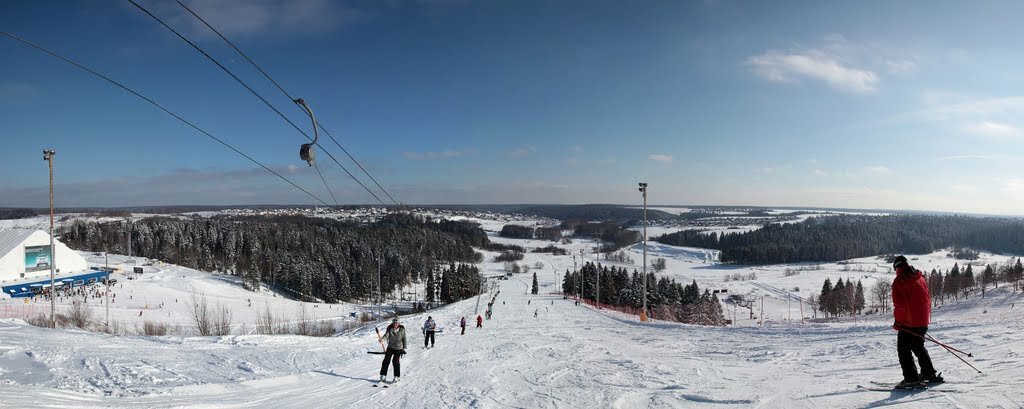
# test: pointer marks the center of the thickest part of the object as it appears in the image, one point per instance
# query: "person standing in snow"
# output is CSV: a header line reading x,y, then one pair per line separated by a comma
x,y
912,309
395,337
429,328
462,324
479,321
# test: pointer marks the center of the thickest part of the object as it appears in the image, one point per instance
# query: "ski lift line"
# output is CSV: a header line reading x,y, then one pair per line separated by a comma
x,y
162,108
222,67
271,106
283,91
325,184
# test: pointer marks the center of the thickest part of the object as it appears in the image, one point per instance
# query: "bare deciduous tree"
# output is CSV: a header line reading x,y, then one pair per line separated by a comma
x,y
882,293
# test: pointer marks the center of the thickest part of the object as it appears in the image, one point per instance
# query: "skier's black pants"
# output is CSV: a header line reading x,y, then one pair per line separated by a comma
x,y
428,338
388,355
908,345
463,330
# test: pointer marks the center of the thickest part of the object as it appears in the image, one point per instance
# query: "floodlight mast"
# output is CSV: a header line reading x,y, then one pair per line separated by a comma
x,y
306,151
48,157
643,311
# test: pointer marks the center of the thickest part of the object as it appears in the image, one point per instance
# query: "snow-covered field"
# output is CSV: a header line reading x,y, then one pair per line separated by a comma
x,y
567,356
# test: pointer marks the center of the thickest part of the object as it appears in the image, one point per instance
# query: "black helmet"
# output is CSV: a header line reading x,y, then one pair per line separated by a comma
x,y
900,261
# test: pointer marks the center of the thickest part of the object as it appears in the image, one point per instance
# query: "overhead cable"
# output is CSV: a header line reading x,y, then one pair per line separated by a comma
x,y
267,103
162,108
279,87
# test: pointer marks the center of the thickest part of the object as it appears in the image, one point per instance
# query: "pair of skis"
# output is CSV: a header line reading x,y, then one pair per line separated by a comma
x,y
885,387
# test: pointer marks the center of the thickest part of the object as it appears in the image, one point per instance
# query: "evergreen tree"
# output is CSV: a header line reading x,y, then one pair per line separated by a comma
x,y
534,290
968,280
825,300
859,301
952,282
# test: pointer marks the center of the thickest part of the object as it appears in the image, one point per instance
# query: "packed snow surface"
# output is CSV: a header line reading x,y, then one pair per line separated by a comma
x,y
566,356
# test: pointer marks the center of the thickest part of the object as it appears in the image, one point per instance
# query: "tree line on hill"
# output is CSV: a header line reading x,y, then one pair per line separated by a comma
x,y
843,237
953,284
613,236
666,299
311,258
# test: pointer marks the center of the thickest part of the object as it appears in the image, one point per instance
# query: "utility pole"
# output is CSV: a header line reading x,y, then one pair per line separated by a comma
x,y
597,256
574,265
380,296
643,311
579,273
106,266
48,157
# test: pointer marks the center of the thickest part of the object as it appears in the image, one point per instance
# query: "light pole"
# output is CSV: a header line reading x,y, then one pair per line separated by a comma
x,y
574,266
48,157
597,271
643,311
380,296
106,266
580,274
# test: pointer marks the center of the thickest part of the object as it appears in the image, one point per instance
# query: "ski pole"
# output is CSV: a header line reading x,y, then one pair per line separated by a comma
x,y
962,359
944,346
930,338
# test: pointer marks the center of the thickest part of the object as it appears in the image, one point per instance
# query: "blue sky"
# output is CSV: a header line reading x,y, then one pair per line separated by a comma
x,y
868,104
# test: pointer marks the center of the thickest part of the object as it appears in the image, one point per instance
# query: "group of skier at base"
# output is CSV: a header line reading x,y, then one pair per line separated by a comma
x,y
396,343
912,309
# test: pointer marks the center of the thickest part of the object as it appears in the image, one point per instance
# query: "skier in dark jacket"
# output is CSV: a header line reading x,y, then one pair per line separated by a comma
x,y
395,337
912,309
479,321
463,325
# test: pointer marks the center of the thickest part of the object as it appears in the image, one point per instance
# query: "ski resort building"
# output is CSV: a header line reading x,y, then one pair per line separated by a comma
x,y
25,256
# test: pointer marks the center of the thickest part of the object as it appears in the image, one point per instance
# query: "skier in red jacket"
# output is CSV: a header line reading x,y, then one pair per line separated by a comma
x,y
912,308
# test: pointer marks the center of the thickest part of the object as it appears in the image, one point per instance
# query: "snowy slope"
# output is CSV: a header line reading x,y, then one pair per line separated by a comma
x,y
568,356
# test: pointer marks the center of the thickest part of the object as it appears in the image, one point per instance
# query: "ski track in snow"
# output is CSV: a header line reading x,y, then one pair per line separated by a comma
x,y
569,356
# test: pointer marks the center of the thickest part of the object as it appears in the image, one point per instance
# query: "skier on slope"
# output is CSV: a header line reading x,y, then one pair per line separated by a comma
x,y
479,321
395,337
429,328
912,308
462,324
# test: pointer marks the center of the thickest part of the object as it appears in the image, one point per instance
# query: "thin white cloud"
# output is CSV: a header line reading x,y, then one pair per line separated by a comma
x,y
293,168
764,170
792,66
661,158
966,107
972,157
900,67
879,169
964,188
259,17
993,129
1015,188
446,154
820,172
522,151
572,161
576,149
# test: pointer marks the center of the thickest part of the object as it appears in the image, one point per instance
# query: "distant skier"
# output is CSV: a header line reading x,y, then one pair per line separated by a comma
x,y
395,337
535,313
479,321
528,302
462,324
429,328
912,308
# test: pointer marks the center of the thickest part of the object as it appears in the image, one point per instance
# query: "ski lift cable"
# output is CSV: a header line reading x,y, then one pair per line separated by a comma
x,y
252,91
325,184
162,108
283,91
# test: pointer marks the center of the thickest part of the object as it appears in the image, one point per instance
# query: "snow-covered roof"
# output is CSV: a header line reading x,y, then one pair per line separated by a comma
x,y
11,238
